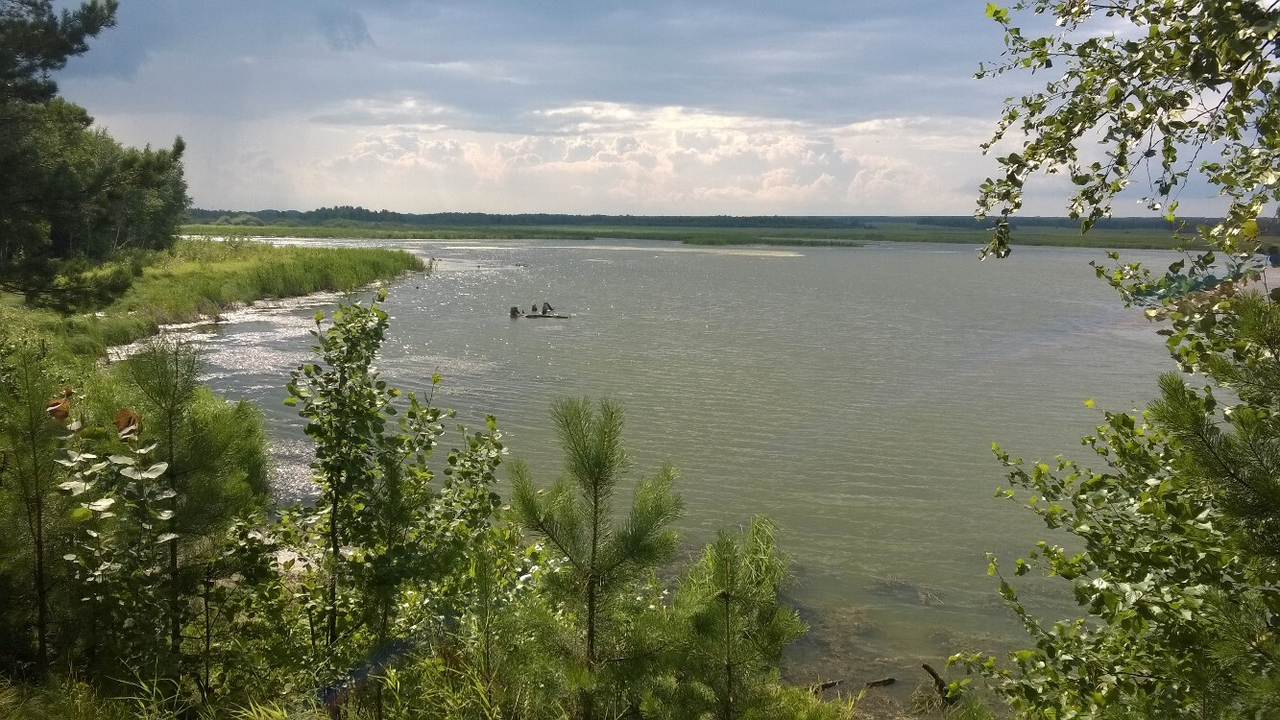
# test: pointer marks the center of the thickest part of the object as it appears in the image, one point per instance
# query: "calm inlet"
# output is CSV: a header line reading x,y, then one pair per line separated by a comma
x,y
850,394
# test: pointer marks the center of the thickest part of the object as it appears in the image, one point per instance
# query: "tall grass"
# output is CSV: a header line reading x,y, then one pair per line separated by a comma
x,y
363,233
58,700
200,278
68,699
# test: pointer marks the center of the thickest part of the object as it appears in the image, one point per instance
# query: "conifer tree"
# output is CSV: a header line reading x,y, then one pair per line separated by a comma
x,y
213,450
29,478
1239,462
603,588
67,190
732,630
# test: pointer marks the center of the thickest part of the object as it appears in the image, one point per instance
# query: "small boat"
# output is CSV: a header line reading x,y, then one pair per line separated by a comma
x,y
547,312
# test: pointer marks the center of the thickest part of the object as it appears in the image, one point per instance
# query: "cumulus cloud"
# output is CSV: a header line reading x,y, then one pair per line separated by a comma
x,y
718,106
622,159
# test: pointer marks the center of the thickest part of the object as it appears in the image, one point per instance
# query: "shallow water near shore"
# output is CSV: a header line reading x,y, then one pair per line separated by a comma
x,y
850,394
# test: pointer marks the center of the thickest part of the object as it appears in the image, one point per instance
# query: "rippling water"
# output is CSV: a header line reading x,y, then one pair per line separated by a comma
x,y
851,394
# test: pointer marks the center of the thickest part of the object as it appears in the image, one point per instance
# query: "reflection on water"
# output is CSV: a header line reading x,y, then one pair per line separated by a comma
x,y
851,394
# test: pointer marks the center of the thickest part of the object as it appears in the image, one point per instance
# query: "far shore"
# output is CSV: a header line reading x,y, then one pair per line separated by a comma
x,y
880,231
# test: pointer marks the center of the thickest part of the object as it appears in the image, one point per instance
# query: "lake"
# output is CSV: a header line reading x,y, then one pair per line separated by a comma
x,y
850,394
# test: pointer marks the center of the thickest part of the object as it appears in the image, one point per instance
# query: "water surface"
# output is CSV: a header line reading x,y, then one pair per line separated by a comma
x,y
850,394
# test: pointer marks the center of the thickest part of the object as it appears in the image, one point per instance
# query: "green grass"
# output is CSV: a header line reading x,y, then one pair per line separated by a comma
x,y
200,278
879,231
58,700
70,699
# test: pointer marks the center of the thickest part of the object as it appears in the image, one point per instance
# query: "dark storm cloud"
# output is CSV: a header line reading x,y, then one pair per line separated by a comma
x,y
824,61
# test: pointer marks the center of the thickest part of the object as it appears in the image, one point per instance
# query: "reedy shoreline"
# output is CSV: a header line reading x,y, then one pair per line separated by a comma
x,y
199,279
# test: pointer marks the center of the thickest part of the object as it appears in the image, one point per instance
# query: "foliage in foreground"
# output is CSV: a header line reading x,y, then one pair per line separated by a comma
x,y
1173,88
87,524
405,591
1175,541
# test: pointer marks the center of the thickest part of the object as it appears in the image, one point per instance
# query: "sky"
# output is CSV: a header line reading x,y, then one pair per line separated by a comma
x,y
749,107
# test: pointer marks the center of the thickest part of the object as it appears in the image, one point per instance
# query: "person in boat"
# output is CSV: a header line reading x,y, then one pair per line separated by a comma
x,y
546,308
534,310
516,311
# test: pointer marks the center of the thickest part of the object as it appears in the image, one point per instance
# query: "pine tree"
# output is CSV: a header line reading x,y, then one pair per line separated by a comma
x,y
733,629
213,450
29,478
38,41
1178,565
1239,461
603,588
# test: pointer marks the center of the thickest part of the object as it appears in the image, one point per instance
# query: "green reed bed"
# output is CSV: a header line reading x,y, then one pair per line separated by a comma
x,y
200,278
357,232
203,277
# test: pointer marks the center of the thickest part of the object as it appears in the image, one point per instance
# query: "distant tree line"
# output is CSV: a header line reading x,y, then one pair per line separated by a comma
x,y
351,216
341,213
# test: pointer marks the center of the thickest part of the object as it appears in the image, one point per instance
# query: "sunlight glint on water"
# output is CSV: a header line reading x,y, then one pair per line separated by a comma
x,y
851,394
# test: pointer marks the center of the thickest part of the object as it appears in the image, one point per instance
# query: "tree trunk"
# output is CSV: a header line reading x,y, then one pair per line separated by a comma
x,y
728,659
35,524
588,698
42,589
206,691
175,589
175,595
331,621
